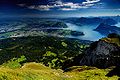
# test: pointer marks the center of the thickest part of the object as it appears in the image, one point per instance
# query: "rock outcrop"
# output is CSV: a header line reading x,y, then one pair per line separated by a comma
x,y
101,54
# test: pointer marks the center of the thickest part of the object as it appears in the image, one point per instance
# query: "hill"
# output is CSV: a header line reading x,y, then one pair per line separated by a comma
x,y
106,29
52,58
36,71
51,51
103,53
91,21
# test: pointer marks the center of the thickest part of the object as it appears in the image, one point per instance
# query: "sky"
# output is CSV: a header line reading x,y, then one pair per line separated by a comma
x,y
59,8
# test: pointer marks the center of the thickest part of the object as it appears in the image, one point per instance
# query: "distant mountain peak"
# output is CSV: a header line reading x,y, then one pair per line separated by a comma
x,y
106,29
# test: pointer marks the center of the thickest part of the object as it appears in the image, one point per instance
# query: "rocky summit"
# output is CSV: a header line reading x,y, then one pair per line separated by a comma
x,y
103,53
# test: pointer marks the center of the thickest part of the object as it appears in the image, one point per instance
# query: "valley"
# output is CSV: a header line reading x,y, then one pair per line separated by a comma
x,y
77,28
60,49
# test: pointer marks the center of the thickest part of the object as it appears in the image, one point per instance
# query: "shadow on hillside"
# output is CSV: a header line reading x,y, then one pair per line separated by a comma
x,y
115,71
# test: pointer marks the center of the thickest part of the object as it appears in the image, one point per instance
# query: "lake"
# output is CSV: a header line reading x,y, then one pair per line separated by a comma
x,y
90,34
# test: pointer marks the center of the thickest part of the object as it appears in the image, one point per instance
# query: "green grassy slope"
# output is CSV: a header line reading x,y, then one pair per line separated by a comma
x,y
51,51
36,71
26,58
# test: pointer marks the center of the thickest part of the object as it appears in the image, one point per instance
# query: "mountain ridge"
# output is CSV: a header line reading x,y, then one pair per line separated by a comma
x,y
106,29
102,53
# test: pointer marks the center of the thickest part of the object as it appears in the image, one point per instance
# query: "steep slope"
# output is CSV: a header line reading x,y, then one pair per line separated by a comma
x,y
37,71
103,53
51,51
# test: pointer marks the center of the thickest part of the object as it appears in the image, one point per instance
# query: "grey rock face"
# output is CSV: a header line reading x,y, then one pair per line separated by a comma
x,y
101,54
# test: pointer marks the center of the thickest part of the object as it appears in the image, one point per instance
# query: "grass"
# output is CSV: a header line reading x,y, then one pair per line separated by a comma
x,y
14,63
30,71
89,73
37,71
52,51
112,40
14,69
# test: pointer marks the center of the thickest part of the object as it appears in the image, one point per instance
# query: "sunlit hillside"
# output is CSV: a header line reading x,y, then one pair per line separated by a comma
x,y
37,71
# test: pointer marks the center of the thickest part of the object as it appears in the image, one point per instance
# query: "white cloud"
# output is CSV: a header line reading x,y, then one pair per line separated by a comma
x,y
62,5
66,9
90,1
43,7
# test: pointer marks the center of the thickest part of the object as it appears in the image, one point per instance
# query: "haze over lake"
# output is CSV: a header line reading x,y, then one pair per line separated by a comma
x,y
89,34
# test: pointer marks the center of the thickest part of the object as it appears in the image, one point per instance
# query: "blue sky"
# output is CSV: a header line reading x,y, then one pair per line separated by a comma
x,y
60,8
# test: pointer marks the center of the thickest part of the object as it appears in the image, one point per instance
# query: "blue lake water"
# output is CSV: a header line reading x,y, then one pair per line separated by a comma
x,y
118,25
90,34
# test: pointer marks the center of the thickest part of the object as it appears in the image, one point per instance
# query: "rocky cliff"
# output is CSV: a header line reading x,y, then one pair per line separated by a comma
x,y
102,54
